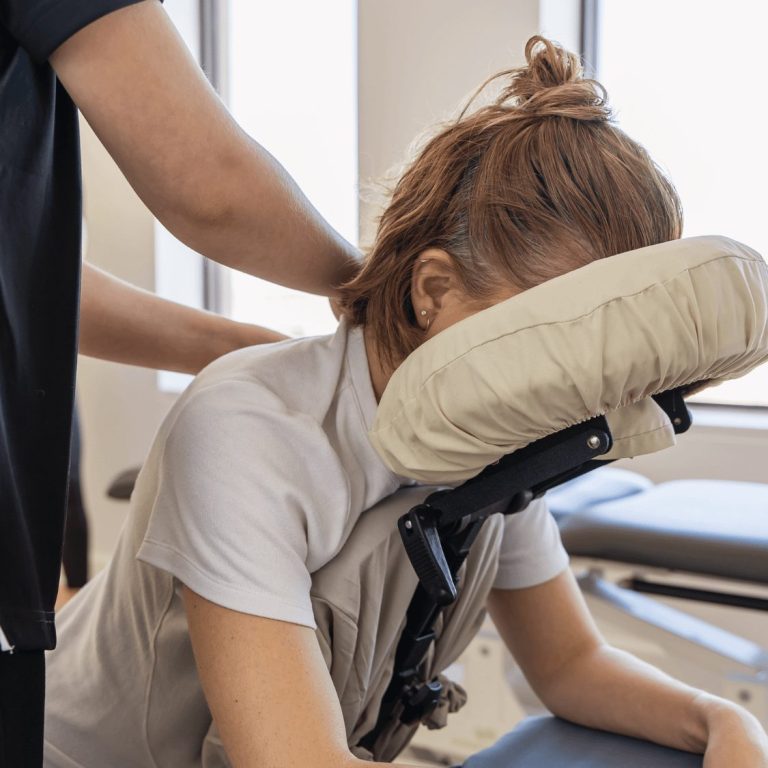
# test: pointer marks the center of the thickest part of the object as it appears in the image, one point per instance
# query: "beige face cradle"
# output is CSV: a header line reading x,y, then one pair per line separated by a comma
x,y
602,340
597,341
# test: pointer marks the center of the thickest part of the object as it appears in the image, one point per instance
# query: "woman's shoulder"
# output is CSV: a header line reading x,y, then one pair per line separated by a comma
x,y
297,375
256,406
275,422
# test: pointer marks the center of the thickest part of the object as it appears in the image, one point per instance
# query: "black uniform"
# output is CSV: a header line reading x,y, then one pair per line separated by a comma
x,y
40,216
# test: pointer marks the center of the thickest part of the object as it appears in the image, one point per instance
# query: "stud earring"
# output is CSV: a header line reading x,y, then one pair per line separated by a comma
x,y
423,312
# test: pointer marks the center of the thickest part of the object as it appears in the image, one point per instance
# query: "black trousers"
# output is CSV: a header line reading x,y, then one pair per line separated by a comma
x,y
22,700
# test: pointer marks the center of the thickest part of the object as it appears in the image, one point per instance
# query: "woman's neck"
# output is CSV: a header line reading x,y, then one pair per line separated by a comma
x,y
380,373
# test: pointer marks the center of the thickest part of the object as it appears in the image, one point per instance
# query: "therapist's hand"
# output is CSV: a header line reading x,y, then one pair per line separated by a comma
x,y
218,191
735,737
125,324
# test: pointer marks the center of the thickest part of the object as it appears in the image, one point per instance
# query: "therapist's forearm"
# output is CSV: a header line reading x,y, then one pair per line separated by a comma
x,y
125,324
215,188
612,690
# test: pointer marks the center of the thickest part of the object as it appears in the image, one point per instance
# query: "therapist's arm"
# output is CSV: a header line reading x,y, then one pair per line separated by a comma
x,y
125,324
581,678
268,689
211,185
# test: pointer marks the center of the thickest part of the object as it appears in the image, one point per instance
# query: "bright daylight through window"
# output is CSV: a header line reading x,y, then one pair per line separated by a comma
x,y
687,79
293,87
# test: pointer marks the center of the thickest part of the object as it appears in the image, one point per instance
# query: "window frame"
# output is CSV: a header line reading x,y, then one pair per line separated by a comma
x,y
214,42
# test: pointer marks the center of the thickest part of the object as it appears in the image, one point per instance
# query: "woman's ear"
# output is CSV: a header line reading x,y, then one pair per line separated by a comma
x,y
434,285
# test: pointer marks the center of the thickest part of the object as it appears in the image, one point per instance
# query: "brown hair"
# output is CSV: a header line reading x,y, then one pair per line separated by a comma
x,y
531,186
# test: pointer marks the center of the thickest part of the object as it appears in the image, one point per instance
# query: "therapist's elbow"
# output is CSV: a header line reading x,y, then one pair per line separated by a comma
x,y
197,214
200,199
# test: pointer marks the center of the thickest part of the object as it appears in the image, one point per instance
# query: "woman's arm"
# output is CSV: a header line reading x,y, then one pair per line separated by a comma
x,y
268,689
211,185
125,324
580,678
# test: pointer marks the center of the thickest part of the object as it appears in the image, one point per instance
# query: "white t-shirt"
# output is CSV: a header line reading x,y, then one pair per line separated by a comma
x,y
255,480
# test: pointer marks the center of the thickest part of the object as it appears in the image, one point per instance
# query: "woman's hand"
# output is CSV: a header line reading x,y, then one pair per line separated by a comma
x,y
581,679
734,736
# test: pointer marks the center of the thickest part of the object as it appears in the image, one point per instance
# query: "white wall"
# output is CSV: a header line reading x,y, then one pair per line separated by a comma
x,y
418,60
726,452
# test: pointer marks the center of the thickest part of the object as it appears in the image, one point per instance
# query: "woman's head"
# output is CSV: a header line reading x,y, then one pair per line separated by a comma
x,y
531,186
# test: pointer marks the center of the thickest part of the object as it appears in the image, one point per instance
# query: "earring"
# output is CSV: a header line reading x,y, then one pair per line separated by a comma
x,y
423,313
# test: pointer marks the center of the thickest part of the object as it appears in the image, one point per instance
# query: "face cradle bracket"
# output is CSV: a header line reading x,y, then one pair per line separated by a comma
x,y
439,533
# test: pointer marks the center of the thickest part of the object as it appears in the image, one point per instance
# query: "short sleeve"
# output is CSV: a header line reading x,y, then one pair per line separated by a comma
x,y
531,550
250,499
41,26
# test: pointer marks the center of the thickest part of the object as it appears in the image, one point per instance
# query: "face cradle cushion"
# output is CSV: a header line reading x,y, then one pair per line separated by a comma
x,y
599,340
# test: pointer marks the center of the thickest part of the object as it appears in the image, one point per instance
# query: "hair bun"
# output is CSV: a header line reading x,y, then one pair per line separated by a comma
x,y
553,85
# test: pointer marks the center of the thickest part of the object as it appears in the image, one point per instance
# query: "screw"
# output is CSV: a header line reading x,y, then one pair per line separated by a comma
x,y
408,525
593,442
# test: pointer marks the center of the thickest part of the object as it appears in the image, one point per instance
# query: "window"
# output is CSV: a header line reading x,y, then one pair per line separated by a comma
x,y
288,72
292,85
685,78
178,269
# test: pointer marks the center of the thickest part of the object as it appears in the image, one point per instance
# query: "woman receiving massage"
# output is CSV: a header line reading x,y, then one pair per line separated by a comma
x,y
264,467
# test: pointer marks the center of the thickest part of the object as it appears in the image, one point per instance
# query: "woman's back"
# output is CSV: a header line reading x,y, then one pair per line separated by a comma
x,y
264,431
255,481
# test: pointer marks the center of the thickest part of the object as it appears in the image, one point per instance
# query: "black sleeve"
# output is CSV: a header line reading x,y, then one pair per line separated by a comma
x,y
41,26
